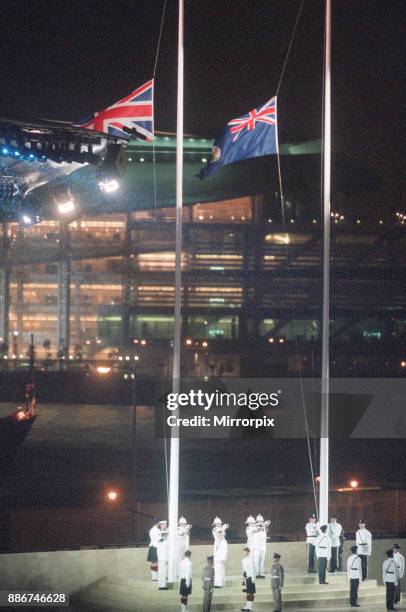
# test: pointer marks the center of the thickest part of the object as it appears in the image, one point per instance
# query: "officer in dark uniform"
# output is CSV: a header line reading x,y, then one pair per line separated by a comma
x,y
277,577
208,584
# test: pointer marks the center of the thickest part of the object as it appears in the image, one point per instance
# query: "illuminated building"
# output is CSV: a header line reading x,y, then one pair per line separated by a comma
x,y
102,287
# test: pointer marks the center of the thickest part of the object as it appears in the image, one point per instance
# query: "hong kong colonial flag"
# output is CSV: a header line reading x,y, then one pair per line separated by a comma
x,y
252,135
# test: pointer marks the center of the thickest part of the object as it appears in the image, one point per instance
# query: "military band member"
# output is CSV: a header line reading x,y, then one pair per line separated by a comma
x,y
390,578
334,531
183,537
277,578
312,531
400,564
323,552
185,575
163,556
208,584
354,575
363,540
152,557
249,579
250,522
258,545
220,552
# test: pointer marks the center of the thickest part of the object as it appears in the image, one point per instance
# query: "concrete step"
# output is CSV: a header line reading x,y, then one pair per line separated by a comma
x,y
106,595
132,587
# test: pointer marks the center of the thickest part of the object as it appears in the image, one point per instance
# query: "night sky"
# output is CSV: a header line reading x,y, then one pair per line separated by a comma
x,y
63,59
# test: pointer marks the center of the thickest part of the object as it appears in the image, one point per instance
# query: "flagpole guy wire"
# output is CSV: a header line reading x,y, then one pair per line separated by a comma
x,y
282,202
161,27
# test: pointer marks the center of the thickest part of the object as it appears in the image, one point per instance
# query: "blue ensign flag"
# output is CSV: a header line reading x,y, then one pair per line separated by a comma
x,y
252,135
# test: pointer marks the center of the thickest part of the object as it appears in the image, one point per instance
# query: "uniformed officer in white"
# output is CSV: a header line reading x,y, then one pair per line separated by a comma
x,y
249,579
220,557
259,540
250,522
312,531
185,575
163,555
400,564
334,531
354,575
183,537
323,552
152,557
363,540
390,578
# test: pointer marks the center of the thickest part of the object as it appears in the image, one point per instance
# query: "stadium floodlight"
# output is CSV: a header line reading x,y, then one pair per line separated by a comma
x,y
109,185
112,168
64,200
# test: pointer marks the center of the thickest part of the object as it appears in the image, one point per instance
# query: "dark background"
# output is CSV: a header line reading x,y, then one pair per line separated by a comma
x,y
64,59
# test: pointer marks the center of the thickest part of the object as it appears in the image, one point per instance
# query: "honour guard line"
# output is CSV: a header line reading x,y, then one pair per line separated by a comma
x,y
323,543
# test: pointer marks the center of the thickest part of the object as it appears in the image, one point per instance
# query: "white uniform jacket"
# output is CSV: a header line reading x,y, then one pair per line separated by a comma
x,y
390,571
154,536
220,550
312,531
334,531
354,569
364,542
248,568
323,546
250,532
185,570
400,563
263,539
162,549
256,540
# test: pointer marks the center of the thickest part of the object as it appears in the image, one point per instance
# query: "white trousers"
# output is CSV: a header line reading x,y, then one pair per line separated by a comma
x,y
162,574
259,562
219,574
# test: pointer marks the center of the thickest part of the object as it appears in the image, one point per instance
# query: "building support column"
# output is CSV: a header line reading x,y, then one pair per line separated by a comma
x,y
64,276
126,285
4,305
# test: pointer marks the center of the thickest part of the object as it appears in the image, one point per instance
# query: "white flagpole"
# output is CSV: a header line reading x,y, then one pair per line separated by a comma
x,y
325,371
174,456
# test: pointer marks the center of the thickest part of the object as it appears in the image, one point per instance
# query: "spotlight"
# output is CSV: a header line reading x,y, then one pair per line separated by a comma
x,y
112,168
29,214
109,186
64,200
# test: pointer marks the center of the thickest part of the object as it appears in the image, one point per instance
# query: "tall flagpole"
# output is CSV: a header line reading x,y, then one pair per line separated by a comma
x,y
174,456
325,368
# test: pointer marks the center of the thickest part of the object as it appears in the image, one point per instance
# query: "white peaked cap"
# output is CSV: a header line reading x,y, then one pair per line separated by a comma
x,y
163,522
260,518
250,520
217,521
182,521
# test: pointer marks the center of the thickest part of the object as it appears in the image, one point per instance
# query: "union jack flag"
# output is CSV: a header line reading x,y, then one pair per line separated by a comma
x,y
253,135
265,114
134,112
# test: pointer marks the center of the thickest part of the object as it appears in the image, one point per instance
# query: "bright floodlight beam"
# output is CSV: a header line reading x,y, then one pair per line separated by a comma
x,y
64,200
109,185
112,168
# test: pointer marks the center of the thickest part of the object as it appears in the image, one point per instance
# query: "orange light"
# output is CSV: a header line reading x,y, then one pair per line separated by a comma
x,y
112,495
271,340
143,342
403,364
103,369
281,340
188,342
205,344
354,484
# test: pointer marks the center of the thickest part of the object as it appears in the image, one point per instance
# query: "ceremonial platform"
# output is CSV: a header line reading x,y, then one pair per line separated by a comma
x,y
301,591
